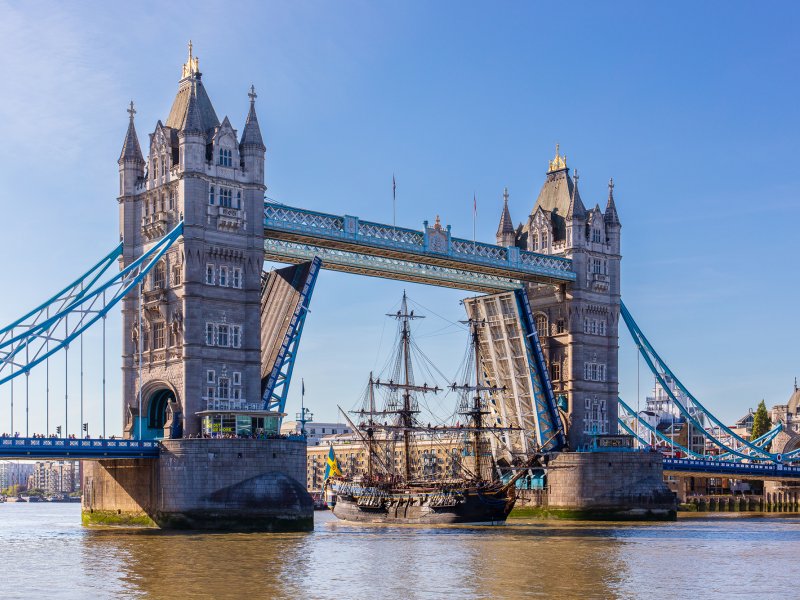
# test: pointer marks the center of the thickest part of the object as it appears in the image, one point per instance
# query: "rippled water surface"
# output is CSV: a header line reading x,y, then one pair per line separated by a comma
x,y
44,552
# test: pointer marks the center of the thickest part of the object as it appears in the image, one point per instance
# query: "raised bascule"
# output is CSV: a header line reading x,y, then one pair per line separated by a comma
x,y
210,340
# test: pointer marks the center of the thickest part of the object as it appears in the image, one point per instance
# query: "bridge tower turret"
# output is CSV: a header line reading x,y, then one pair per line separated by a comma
x,y
131,162
505,231
192,336
577,323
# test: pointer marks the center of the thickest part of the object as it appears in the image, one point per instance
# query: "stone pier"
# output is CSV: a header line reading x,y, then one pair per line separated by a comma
x,y
603,486
203,484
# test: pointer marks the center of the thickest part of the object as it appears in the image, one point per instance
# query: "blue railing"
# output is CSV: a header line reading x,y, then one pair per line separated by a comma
x,y
73,449
727,467
433,242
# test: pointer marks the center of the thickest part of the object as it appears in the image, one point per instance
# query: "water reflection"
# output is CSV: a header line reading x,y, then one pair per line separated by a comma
x,y
45,552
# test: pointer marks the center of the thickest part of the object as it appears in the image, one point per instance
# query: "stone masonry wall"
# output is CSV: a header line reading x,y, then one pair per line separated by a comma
x,y
617,483
204,484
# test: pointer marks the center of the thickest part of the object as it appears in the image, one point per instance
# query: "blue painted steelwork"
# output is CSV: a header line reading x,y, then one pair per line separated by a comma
x,y
38,340
277,388
760,441
550,430
652,430
630,431
72,291
431,244
387,267
651,357
766,470
58,448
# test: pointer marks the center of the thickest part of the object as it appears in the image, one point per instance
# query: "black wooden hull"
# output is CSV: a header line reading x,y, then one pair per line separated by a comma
x,y
421,507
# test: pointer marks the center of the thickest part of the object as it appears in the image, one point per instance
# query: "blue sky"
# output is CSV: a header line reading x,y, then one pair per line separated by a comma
x,y
691,107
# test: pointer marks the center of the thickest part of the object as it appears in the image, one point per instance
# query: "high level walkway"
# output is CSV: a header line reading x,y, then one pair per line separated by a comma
x,y
431,255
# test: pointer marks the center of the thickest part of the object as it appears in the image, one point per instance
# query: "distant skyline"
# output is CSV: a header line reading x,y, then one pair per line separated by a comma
x,y
690,107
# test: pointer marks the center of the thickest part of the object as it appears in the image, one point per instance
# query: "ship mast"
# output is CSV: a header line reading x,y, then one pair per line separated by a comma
x,y
406,413
475,410
370,428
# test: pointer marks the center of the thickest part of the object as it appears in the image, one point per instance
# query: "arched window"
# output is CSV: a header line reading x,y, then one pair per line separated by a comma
x,y
159,276
541,326
535,241
544,240
211,194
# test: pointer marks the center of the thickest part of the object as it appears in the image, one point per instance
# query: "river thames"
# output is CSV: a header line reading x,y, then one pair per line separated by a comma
x,y
44,551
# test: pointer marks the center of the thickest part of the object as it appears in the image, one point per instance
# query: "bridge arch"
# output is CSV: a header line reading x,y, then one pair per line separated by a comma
x,y
162,416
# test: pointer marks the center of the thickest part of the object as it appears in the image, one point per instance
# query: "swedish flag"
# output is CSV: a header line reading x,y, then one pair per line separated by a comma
x,y
332,468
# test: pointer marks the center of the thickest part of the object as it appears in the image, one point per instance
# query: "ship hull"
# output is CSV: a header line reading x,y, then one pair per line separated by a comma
x,y
420,508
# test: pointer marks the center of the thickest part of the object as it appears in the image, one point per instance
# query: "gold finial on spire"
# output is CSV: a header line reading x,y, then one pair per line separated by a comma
x,y
558,163
192,64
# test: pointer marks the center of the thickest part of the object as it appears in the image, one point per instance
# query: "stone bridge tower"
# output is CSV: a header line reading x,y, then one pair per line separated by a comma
x,y
577,323
191,338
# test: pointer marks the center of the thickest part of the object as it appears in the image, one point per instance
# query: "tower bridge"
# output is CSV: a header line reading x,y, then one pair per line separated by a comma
x,y
210,340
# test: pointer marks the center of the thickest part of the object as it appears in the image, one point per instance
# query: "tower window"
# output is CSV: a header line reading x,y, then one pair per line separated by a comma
x,y
159,276
555,369
211,195
237,378
560,326
236,336
225,157
225,197
158,335
596,235
223,276
210,337
535,242
210,376
224,388
209,274
222,335
237,277
541,326
239,199
176,275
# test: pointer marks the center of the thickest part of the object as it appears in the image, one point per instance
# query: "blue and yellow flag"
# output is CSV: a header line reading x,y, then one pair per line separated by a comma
x,y
332,468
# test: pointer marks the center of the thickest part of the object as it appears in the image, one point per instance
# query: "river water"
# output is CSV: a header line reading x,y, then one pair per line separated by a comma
x,y
44,552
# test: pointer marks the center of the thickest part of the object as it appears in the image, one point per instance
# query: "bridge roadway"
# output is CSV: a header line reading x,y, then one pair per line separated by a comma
x,y
75,449
730,469
431,256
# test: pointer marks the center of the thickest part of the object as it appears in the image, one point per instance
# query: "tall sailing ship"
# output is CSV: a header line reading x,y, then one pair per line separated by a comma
x,y
395,487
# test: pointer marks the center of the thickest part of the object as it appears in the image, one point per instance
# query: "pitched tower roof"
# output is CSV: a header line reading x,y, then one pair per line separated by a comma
x,y
191,87
251,136
506,225
131,151
611,216
559,190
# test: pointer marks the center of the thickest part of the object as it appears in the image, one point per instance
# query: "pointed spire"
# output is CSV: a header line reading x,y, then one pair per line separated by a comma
x,y
611,217
131,151
194,122
251,136
576,209
506,224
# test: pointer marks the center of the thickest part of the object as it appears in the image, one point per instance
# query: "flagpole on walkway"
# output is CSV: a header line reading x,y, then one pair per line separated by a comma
x,y
394,202
474,218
